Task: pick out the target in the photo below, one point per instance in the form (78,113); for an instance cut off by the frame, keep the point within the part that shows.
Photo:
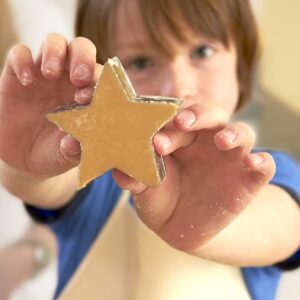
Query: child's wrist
(9,173)
(42,191)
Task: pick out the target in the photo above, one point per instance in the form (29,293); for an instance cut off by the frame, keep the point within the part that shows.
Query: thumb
(58,155)
(70,147)
(70,150)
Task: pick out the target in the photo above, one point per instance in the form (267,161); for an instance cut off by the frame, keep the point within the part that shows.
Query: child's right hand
(62,74)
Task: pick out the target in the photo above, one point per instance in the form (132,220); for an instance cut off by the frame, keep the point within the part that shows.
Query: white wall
(36,18)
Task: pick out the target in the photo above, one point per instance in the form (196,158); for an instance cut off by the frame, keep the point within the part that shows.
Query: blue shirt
(79,224)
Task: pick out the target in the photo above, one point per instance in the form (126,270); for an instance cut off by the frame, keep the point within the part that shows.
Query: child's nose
(179,80)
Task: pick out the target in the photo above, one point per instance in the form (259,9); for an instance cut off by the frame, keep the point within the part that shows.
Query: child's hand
(29,90)
(211,177)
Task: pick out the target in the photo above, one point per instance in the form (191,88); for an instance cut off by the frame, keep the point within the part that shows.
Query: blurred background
(277,91)
(274,111)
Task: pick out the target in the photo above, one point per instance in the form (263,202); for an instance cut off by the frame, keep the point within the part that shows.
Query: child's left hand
(211,177)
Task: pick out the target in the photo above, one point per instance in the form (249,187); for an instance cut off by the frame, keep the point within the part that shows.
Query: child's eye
(202,52)
(140,64)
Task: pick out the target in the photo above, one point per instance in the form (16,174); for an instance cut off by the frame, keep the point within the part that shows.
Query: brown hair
(8,36)
(224,20)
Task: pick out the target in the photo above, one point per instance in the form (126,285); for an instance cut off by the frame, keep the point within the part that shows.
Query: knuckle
(18,54)
(199,109)
(268,158)
(245,130)
(17,49)
(55,44)
(83,48)
(80,40)
(54,36)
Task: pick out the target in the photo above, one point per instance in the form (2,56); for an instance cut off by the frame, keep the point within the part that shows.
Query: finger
(128,183)
(155,206)
(82,55)
(261,167)
(200,116)
(84,95)
(167,140)
(97,72)
(20,63)
(64,151)
(53,56)
(234,136)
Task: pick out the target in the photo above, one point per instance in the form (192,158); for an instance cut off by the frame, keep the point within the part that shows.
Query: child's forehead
(133,21)
(129,21)
(134,29)
(130,16)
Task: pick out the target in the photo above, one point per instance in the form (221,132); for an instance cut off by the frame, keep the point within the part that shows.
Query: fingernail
(86,92)
(52,66)
(163,141)
(69,146)
(229,135)
(82,72)
(83,95)
(257,159)
(27,76)
(187,118)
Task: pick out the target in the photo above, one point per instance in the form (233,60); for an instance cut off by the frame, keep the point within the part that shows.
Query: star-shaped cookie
(116,129)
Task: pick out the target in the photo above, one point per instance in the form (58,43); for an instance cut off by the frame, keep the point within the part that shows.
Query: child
(201,51)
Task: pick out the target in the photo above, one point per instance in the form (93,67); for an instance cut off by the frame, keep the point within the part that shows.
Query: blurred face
(200,70)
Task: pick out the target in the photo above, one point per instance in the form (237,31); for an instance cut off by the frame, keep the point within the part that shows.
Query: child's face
(201,70)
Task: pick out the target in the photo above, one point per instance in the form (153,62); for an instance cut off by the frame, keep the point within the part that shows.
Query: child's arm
(202,206)
(266,232)
(37,157)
